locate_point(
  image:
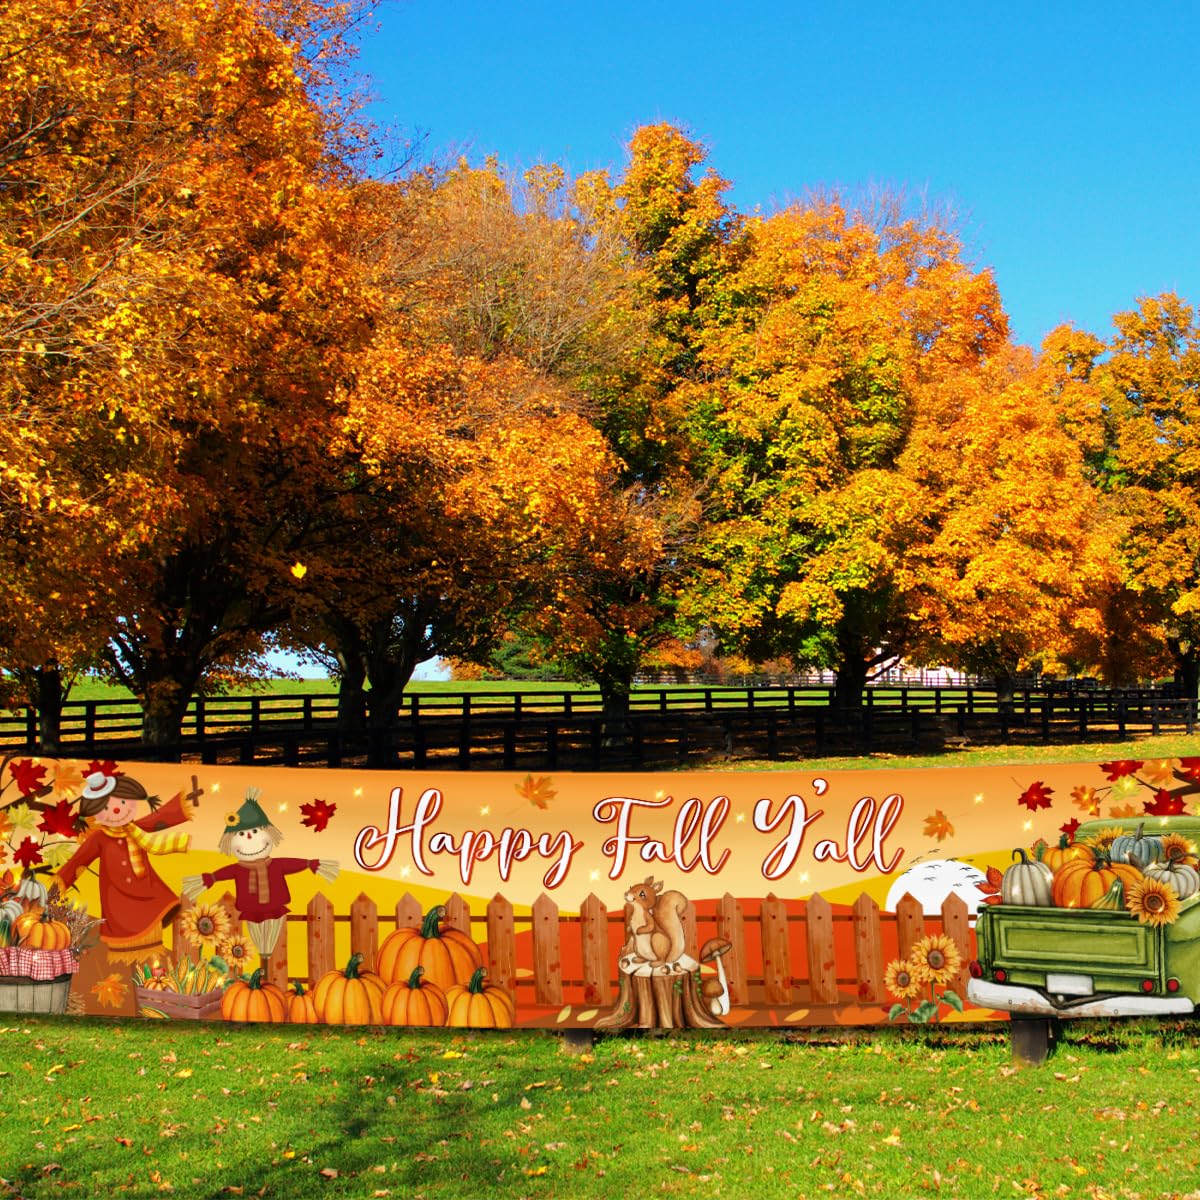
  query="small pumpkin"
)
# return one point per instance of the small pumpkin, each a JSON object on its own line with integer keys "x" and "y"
{"x": 1136, "y": 847}
{"x": 1080, "y": 883}
{"x": 1066, "y": 851}
{"x": 1113, "y": 899}
{"x": 31, "y": 888}
{"x": 1027, "y": 882}
{"x": 415, "y": 1002}
{"x": 301, "y": 1007}
{"x": 11, "y": 908}
{"x": 351, "y": 996}
{"x": 477, "y": 1006}
{"x": 1183, "y": 880}
{"x": 36, "y": 931}
{"x": 447, "y": 955}
{"x": 253, "y": 1000}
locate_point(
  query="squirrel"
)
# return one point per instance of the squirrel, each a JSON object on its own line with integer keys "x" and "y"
{"x": 655, "y": 922}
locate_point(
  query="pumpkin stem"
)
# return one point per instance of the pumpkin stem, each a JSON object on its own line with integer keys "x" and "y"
{"x": 1024, "y": 856}
{"x": 351, "y": 971}
{"x": 298, "y": 987}
{"x": 414, "y": 980}
{"x": 476, "y": 984}
{"x": 255, "y": 981}
{"x": 431, "y": 925}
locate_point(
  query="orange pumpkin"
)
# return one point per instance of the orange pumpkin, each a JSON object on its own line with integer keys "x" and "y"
{"x": 36, "y": 931}
{"x": 350, "y": 997}
{"x": 1066, "y": 851}
{"x": 447, "y": 956}
{"x": 252, "y": 1000}
{"x": 478, "y": 1007}
{"x": 301, "y": 1007}
{"x": 1080, "y": 883}
{"x": 415, "y": 1002}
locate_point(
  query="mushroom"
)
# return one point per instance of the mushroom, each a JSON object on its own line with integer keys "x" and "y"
{"x": 716, "y": 991}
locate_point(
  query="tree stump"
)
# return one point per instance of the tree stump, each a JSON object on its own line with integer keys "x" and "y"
{"x": 658, "y": 996}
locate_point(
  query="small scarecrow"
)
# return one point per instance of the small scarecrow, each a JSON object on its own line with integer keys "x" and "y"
{"x": 261, "y": 892}
{"x": 135, "y": 904}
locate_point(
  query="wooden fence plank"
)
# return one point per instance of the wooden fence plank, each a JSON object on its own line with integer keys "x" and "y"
{"x": 956, "y": 924}
{"x": 322, "y": 951}
{"x": 181, "y": 947}
{"x": 690, "y": 944}
{"x": 277, "y": 964}
{"x": 501, "y": 945}
{"x": 547, "y": 954}
{"x": 822, "y": 962}
{"x": 408, "y": 912}
{"x": 777, "y": 971}
{"x": 458, "y": 915}
{"x": 364, "y": 930}
{"x": 731, "y": 926}
{"x": 593, "y": 933}
{"x": 910, "y": 923}
{"x": 868, "y": 950}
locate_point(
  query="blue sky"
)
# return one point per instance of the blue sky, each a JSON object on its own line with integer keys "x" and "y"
{"x": 1063, "y": 136}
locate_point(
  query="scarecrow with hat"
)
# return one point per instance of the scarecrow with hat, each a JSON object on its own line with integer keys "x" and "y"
{"x": 260, "y": 881}
{"x": 135, "y": 904}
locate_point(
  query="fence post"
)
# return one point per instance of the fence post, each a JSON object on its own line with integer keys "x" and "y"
{"x": 510, "y": 747}
{"x": 910, "y": 923}
{"x": 364, "y": 930}
{"x": 772, "y": 735}
{"x": 777, "y": 972}
{"x": 956, "y": 926}
{"x": 593, "y": 935}
{"x": 277, "y": 964}
{"x": 322, "y": 953}
{"x": 198, "y": 716}
{"x": 822, "y": 962}
{"x": 547, "y": 952}
{"x": 1046, "y": 719}
{"x": 731, "y": 926}
{"x": 551, "y": 745}
{"x": 31, "y": 729}
{"x": 408, "y": 912}
{"x": 89, "y": 723}
{"x": 502, "y": 945}
{"x": 868, "y": 949}
{"x": 180, "y": 947}
{"x": 458, "y": 915}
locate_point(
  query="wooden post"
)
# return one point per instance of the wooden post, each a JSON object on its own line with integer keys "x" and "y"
{"x": 822, "y": 962}
{"x": 547, "y": 953}
{"x": 364, "y": 930}
{"x": 502, "y": 945}
{"x": 731, "y": 926}
{"x": 458, "y": 915}
{"x": 688, "y": 920}
{"x": 408, "y": 912}
{"x": 277, "y": 964}
{"x": 910, "y": 923}
{"x": 322, "y": 952}
{"x": 956, "y": 925}
{"x": 868, "y": 949}
{"x": 777, "y": 971}
{"x": 593, "y": 935}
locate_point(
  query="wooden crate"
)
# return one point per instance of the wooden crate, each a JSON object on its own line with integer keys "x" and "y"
{"x": 204, "y": 1006}
{"x": 20, "y": 994}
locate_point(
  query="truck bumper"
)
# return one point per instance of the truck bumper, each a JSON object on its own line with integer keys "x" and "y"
{"x": 1027, "y": 1002}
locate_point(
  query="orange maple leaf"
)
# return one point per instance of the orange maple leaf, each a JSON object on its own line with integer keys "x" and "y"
{"x": 1125, "y": 810}
{"x": 537, "y": 791}
{"x": 68, "y": 779}
{"x": 110, "y": 991}
{"x": 1158, "y": 771}
{"x": 938, "y": 826}
{"x": 1085, "y": 798}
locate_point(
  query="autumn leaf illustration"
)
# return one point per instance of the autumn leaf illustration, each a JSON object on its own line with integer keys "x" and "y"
{"x": 28, "y": 777}
{"x": 59, "y": 820}
{"x": 21, "y": 816}
{"x": 68, "y": 779}
{"x": 1070, "y": 827}
{"x": 1191, "y": 768}
{"x": 110, "y": 991}
{"x": 1124, "y": 810}
{"x": 938, "y": 826}
{"x": 317, "y": 814}
{"x": 537, "y": 791}
{"x": 1085, "y": 799}
{"x": 1036, "y": 795}
{"x": 1158, "y": 771}
{"x": 28, "y": 853}
{"x": 990, "y": 887}
{"x": 1119, "y": 768}
{"x": 1165, "y": 804}
{"x": 102, "y": 766}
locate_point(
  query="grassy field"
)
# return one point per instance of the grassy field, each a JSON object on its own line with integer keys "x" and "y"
{"x": 143, "y": 1109}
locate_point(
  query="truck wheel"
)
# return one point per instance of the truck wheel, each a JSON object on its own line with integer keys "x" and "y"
{"x": 1033, "y": 1039}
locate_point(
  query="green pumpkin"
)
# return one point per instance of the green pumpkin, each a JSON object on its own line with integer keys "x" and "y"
{"x": 1027, "y": 882}
{"x": 1114, "y": 898}
{"x": 1137, "y": 848}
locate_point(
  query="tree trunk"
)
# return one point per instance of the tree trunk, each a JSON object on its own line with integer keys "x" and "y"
{"x": 1187, "y": 670}
{"x": 51, "y": 694}
{"x": 614, "y": 705}
{"x": 352, "y": 694}
{"x": 850, "y": 681}
{"x": 162, "y": 718}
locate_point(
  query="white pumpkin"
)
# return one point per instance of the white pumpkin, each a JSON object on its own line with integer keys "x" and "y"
{"x": 1182, "y": 879}
{"x": 1027, "y": 882}
{"x": 32, "y": 889}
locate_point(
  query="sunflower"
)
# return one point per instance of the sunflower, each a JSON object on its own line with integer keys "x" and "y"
{"x": 1101, "y": 841}
{"x": 236, "y": 950}
{"x": 935, "y": 959}
{"x": 1152, "y": 902}
{"x": 206, "y": 925}
{"x": 900, "y": 980}
{"x": 1181, "y": 849}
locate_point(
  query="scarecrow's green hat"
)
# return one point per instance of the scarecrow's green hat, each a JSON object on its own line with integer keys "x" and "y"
{"x": 249, "y": 816}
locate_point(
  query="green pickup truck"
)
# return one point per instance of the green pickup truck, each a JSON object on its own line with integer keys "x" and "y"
{"x": 1042, "y": 962}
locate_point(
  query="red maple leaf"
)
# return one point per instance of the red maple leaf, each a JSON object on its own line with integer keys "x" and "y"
{"x": 317, "y": 814}
{"x": 59, "y": 820}
{"x": 991, "y": 885}
{"x": 27, "y": 853}
{"x": 27, "y": 777}
{"x": 1070, "y": 827}
{"x": 1191, "y": 768}
{"x": 1035, "y": 796}
{"x": 991, "y": 899}
{"x": 1164, "y": 804}
{"x": 1120, "y": 767}
{"x": 102, "y": 767}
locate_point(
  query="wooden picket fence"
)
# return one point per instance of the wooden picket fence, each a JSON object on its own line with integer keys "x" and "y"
{"x": 784, "y": 952}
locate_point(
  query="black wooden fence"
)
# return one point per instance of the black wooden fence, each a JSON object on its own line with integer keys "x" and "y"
{"x": 517, "y": 730}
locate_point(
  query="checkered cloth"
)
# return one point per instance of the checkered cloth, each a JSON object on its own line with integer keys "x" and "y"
{"x": 37, "y": 964}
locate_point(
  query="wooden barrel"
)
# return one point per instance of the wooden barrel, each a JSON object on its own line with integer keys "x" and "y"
{"x": 20, "y": 994}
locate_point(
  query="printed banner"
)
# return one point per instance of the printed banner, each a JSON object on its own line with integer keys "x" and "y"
{"x": 599, "y": 901}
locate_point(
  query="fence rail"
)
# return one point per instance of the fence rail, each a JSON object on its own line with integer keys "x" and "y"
{"x": 785, "y": 953}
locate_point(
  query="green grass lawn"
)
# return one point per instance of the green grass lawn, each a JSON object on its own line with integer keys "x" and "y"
{"x": 142, "y": 1108}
